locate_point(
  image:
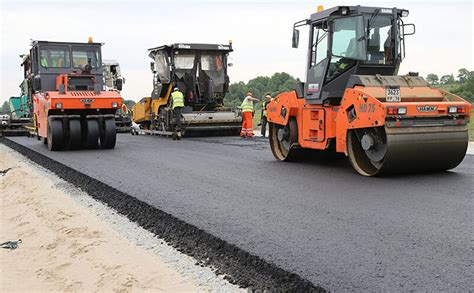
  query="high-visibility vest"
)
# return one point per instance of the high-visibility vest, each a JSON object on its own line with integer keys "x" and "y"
{"x": 265, "y": 104}
{"x": 247, "y": 105}
{"x": 178, "y": 99}
{"x": 44, "y": 62}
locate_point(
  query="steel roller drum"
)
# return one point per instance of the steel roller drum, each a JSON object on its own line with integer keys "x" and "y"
{"x": 412, "y": 149}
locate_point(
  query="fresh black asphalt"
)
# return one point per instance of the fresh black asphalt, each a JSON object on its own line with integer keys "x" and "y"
{"x": 315, "y": 218}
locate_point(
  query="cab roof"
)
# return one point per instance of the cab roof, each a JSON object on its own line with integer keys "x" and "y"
{"x": 353, "y": 10}
{"x": 38, "y": 42}
{"x": 193, "y": 46}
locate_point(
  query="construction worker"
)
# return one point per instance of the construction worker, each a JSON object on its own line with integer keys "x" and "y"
{"x": 177, "y": 99}
{"x": 247, "y": 115}
{"x": 268, "y": 99}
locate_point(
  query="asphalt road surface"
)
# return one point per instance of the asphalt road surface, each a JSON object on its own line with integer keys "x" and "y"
{"x": 318, "y": 219}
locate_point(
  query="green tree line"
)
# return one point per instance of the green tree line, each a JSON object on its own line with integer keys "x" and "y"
{"x": 462, "y": 84}
{"x": 259, "y": 86}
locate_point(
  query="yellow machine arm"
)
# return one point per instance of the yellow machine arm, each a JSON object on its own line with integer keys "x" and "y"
{"x": 143, "y": 109}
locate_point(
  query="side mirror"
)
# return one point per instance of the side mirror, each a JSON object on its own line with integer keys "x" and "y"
{"x": 119, "y": 83}
{"x": 296, "y": 38}
{"x": 36, "y": 83}
{"x": 152, "y": 66}
{"x": 411, "y": 29}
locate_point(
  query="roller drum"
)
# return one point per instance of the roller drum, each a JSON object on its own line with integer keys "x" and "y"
{"x": 409, "y": 150}
{"x": 424, "y": 149}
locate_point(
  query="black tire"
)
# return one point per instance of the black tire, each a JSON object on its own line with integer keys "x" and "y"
{"x": 108, "y": 134}
{"x": 365, "y": 162}
{"x": 91, "y": 134}
{"x": 55, "y": 138}
{"x": 74, "y": 139}
{"x": 284, "y": 149}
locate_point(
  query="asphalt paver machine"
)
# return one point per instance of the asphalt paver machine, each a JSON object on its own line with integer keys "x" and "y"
{"x": 200, "y": 73}
{"x": 18, "y": 121}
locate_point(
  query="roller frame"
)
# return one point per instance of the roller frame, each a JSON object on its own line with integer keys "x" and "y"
{"x": 416, "y": 142}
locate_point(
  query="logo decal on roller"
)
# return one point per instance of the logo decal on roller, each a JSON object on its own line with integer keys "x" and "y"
{"x": 87, "y": 101}
{"x": 425, "y": 109}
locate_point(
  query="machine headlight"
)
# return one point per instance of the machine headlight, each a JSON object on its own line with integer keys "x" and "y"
{"x": 396, "y": 110}
{"x": 344, "y": 10}
{"x": 452, "y": 110}
{"x": 404, "y": 13}
{"x": 114, "y": 105}
{"x": 58, "y": 105}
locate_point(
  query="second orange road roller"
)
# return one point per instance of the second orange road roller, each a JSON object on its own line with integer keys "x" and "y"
{"x": 71, "y": 108}
{"x": 353, "y": 101}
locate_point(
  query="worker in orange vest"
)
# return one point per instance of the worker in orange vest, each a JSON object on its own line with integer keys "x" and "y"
{"x": 247, "y": 115}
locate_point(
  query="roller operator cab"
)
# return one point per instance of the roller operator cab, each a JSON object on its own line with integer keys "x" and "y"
{"x": 200, "y": 73}
{"x": 71, "y": 108}
{"x": 353, "y": 102}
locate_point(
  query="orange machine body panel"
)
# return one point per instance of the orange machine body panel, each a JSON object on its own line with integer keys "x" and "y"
{"x": 317, "y": 124}
{"x": 46, "y": 102}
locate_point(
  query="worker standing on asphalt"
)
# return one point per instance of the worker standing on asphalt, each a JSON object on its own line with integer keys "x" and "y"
{"x": 268, "y": 99}
{"x": 247, "y": 115}
{"x": 177, "y": 99}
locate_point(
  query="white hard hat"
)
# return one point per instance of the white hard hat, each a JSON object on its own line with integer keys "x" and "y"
{"x": 176, "y": 89}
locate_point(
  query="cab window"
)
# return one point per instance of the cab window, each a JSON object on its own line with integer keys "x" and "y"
{"x": 162, "y": 66}
{"x": 348, "y": 45}
{"x": 212, "y": 62}
{"x": 184, "y": 61}
{"x": 380, "y": 40}
{"x": 320, "y": 46}
{"x": 348, "y": 38}
{"x": 81, "y": 57}
{"x": 54, "y": 57}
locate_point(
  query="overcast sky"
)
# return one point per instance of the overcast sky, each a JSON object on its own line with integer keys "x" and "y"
{"x": 260, "y": 31}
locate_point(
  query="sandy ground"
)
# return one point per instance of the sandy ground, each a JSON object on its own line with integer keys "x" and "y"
{"x": 66, "y": 247}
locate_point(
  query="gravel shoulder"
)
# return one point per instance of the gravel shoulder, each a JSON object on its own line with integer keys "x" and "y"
{"x": 70, "y": 242}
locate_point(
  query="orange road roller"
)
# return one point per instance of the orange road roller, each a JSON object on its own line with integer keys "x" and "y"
{"x": 353, "y": 101}
{"x": 71, "y": 108}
